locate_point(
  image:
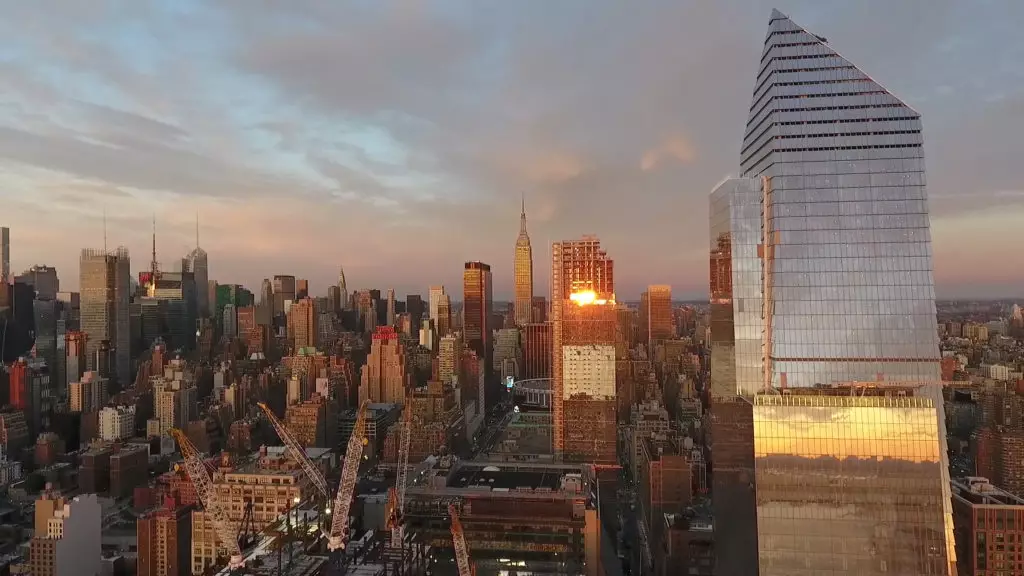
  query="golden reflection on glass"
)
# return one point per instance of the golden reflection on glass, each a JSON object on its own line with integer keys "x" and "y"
{"x": 849, "y": 485}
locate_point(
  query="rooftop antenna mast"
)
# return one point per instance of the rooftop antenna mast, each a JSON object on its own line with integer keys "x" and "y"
{"x": 104, "y": 230}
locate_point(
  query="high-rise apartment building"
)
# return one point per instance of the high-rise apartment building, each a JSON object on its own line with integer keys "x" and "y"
{"x": 523, "y": 271}
{"x": 385, "y": 377}
{"x": 5, "y": 255}
{"x": 117, "y": 423}
{"x": 303, "y": 324}
{"x": 164, "y": 538}
{"x": 67, "y": 536}
{"x": 989, "y": 524}
{"x": 449, "y": 355}
{"x": 821, "y": 276}
{"x": 104, "y": 284}
{"x": 89, "y": 394}
{"x": 656, "y": 315}
{"x": 477, "y": 305}
{"x": 583, "y": 351}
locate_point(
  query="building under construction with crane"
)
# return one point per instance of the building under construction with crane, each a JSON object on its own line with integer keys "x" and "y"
{"x": 535, "y": 518}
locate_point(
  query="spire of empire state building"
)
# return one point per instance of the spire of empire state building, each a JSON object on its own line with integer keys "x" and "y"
{"x": 523, "y": 269}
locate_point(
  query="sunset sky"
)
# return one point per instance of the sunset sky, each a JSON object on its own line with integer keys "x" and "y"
{"x": 397, "y": 137}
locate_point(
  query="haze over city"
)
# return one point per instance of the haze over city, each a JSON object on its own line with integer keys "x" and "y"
{"x": 398, "y": 138}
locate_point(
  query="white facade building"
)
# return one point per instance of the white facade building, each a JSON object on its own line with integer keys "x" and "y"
{"x": 117, "y": 423}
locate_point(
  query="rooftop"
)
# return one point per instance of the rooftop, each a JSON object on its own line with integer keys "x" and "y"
{"x": 978, "y": 491}
{"x": 494, "y": 477}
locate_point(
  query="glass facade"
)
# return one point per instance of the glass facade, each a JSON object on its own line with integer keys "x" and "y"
{"x": 849, "y": 485}
{"x": 821, "y": 275}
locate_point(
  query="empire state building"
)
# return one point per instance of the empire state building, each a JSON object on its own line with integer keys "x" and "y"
{"x": 523, "y": 274}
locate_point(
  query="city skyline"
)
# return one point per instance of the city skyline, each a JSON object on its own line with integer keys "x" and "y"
{"x": 294, "y": 172}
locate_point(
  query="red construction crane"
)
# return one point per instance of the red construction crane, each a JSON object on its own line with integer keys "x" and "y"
{"x": 459, "y": 542}
{"x": 200, "y": 475}
{"x": 349, "y": 471}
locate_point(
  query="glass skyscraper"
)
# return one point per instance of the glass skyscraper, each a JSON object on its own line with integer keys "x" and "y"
{"x": 821, "y": 276}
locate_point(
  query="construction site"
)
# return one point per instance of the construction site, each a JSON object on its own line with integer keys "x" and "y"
{"x": 310, "y": 532}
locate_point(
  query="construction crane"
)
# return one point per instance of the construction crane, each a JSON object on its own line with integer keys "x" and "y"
{"x": 349, "y": 471}
{"x": 396, "y": 518}
{"x": 297, "y": 452}
{"x": 459, "y": 542}
{"x": 200, "y": 476}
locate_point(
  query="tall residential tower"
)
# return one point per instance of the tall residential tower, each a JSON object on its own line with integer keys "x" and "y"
{"x": 523, "y": 269}
{"x": 825, "y": 398}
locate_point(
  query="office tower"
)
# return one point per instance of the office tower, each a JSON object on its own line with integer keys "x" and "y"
{"x": 334, "y": 296}
{"x": 540, "y": 310}
{"x": 443, "y": 320}
{"x": 391, "y": 307}
{"x": 523, "y": 270}
{"x": 821, "y": 275}
{"x": 477, "y": 306}
{"x": 179, "y": 291}
{"x": 583, "y": 355}
{"x": 199, "y": 264}
{"x": 434, "y": 298}
{"x": 67, "y": 536}
{"x": 303, "y": 324}
{"x": 414, "y": 306}
{"x": 301, "y": 288}
{"x": 164, "y": 538}
{"x": 427, "y": 334}
{"x": 267, "y": 295}
{"x": 508, "y": 354}
{"x": 344, "y": 289}
{"x": 537, "y": 348}
{"x": 105, "y": 284}
{"x": 230, "y": 321}
{"x": 43, "y": 279}
{"x": 284, "y": 290}
{"x": 76, "y": 357}
{"x": 656, "y": 315}
{"x": 385, "y": 377}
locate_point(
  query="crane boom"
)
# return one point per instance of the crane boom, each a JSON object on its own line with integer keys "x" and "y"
{"x": 200, "y": 476}
{"x": 349, "y": 471}
{"x": 401, "y": 477}
{"x": 297, "y": 452}
{"x": 459, "y": 542}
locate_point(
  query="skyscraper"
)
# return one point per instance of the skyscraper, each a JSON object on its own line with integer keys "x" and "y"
{"x": 434, "y": 298}
{"x": 656, "y": 315}
{"x": 5, "y": 255}
{"x": 385, "y": 377}
{"x": 477, "y": 305}
{"x": 104, "y": 283}
{"x": 303, "y": 324}
{"x": 583, "y": 351}
{"x": 391, "y": 306}
{"x": 821, "y": 281}
{"x": 343, "y": 287}
{"x": 523, "y": 274}
{"x": 44, "y": 279}
{"x": 198, "y": 263}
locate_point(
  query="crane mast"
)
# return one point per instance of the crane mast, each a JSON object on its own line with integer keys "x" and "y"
{"x": 200, "y": 476}
{"x": 297, "y": 452}
{"x": 349, "y": 471}
{"x": 459, "y": 542}
{"x": 397, "y": 533}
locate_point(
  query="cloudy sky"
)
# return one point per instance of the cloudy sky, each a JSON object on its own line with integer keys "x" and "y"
{"x": 397, "y": 137}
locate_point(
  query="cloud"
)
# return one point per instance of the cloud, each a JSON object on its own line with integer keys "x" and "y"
{"x": 397, "y": 137}
{"x": 674, "y": 148}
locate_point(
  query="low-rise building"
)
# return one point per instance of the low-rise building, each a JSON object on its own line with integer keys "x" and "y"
{"x": 988, "y": 525}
